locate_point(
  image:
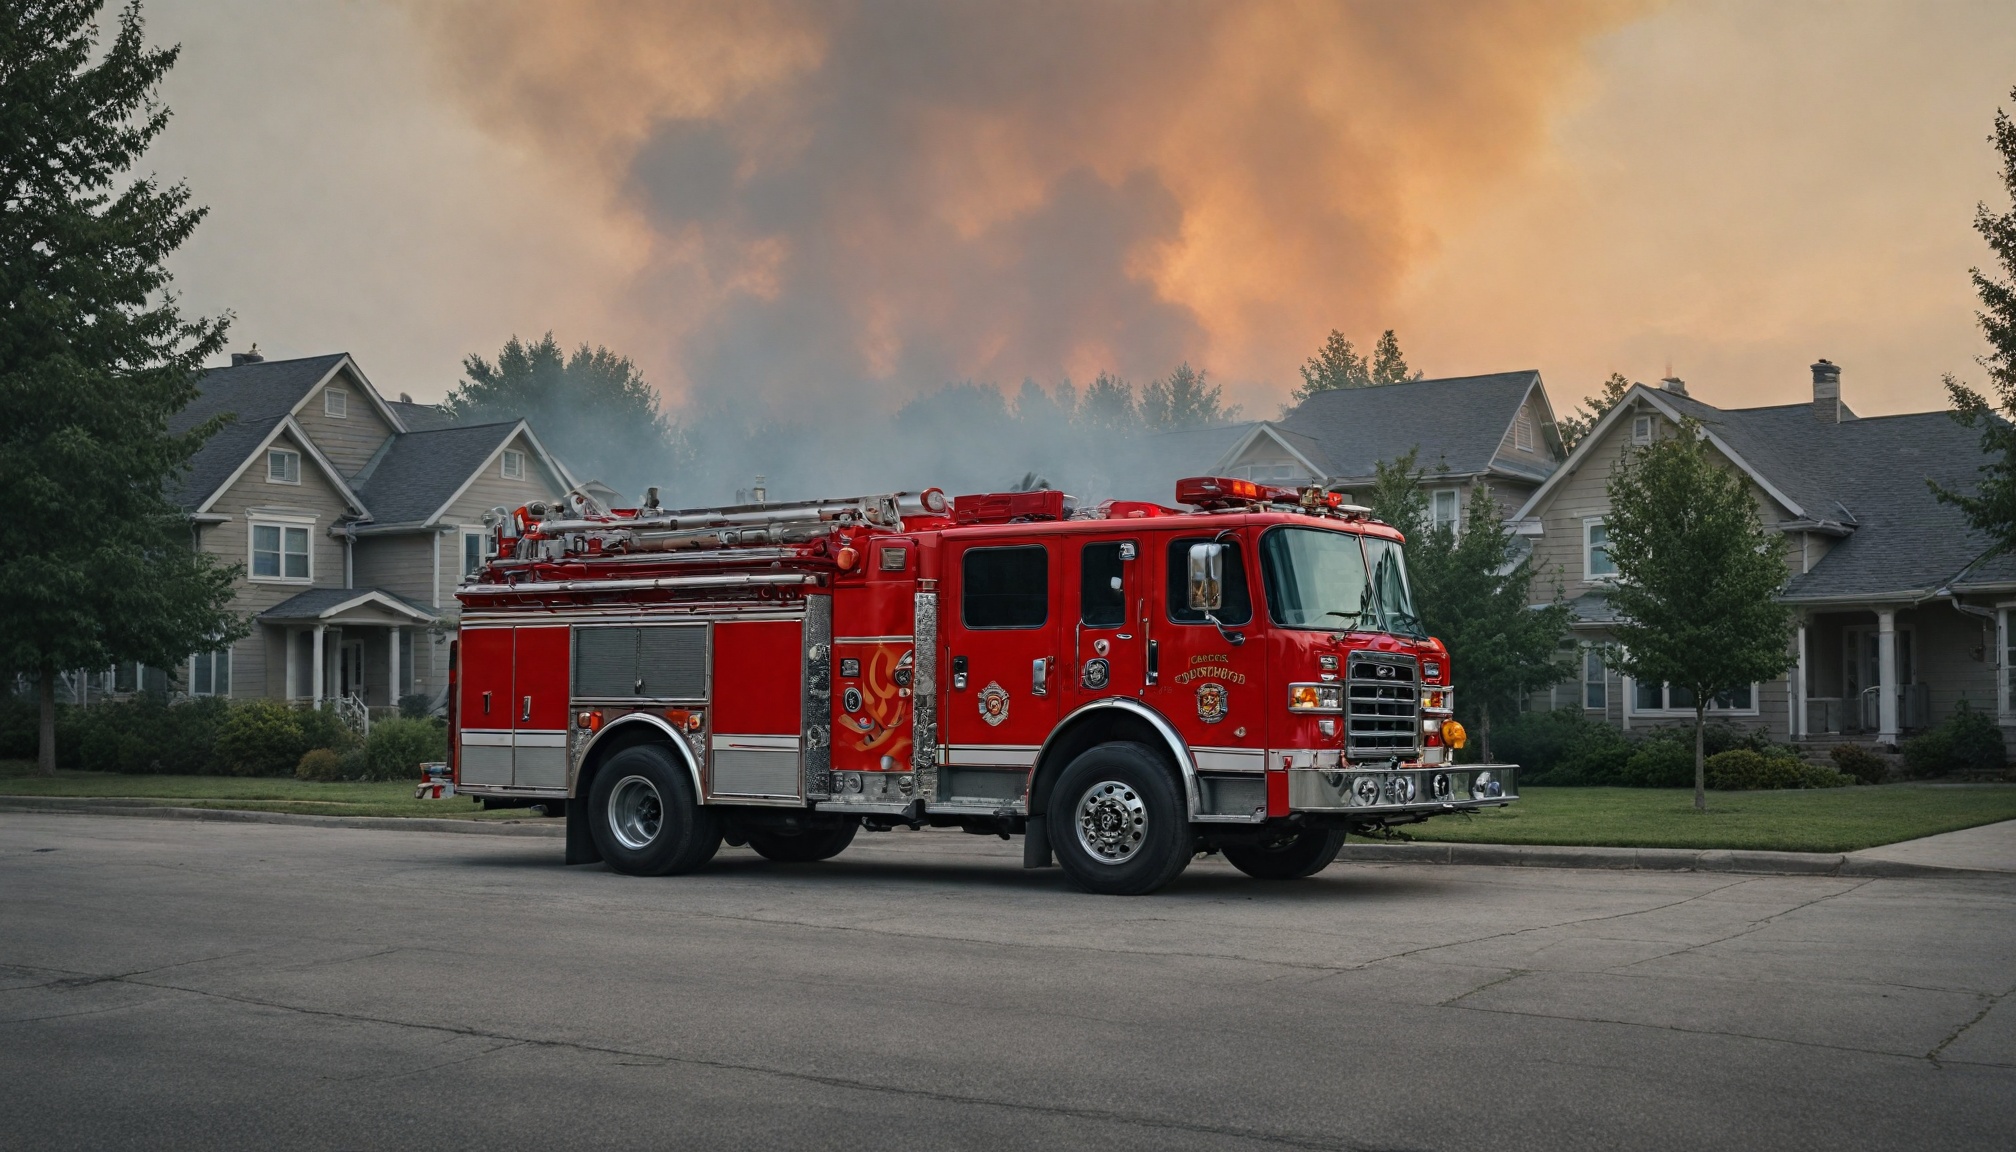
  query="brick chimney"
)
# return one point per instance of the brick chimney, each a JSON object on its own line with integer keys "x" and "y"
{"x": 1827, "y": 391}
{"x": 1674, "y": 384}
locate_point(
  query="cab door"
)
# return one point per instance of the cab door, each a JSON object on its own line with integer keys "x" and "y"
{"x": 1105, "y": 604}
{"x": 1003, "y": 668}
{"x": 1206, "y": 684}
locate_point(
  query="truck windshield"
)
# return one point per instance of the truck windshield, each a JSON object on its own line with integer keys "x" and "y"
{"x": 1337, "y": 580}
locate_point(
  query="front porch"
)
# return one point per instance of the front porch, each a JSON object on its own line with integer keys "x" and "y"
{"x": 1880, "y": 672}
{"x": 350, "y": 645}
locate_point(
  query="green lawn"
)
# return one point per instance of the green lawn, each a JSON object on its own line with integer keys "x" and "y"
{"x": 259, "y": 794}
{"x": 1812, "y": 820}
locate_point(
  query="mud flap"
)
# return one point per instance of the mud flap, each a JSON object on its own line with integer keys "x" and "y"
{"x": 580, "y": 842}
{"x": 1036, "y": 843}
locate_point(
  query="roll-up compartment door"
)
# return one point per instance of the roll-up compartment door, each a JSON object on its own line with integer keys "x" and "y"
{"x": 656, "y": 662}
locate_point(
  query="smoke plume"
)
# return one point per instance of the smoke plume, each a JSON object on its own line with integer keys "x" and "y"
{"x": 839, "y": 205}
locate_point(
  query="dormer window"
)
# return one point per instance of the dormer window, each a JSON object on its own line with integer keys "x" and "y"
{"x": 513, "y": 467}
{"x": 1522, "y": 431}
{"x": 1641, "y": 430}
{"x": 336, "y": 403}
{"x": 283, "y": 466}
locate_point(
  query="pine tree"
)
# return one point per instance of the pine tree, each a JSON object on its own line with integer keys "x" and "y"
{"x": 1594, "y": 408}
{"x": 1992, "y": 509}
{"x": 1336, "y": 365}
{"x": 1185, "y": 400}
{"x": 1388, "y": 366}
{"x": 1108, "y": 405}
{"x": 590, "y": 407}
{"x": 1697, "y": 578}
{"x": 96, "y": 559}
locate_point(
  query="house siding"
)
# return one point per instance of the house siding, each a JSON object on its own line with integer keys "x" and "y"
{"x": 350, "y": 442}
{"x": 490, "y": 490}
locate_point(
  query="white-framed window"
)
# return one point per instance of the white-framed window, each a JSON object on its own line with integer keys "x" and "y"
{"x": 1522, "y": 431}
{"x": 210, "y": 673}
{"x": 336, "y": 403}
{"x": 1641, "y": 429}
{"x": 1595, "y": 680}
{"x": 513, "y": 466}
{"x": 280, "y": 553}
{"x": 1657, "y": 699}
{"x": 1444, "y": 508}
{"x": 475, "y": 549}
{"x": 1596, "y": 562}
{"x": 283, "y": 466}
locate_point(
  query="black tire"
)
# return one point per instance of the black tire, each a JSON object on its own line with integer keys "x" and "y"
{"x": 645, "y": 817}
{"x": 804, "y": 845}
{"x": 1290, "y": 856}
{"x": 1117, "y": 821}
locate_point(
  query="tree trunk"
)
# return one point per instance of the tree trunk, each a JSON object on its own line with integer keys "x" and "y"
{"x": 1700, "y": 760}
{"x": 45, "y": 691}
{"x": 1484, "y": 735}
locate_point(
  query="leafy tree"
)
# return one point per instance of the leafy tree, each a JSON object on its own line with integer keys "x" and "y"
{"x": 1475, "y": 597}
{"x": 1186, "y": 400}
{"x": 1697, "y": 578}
{"x": 1388, "y": 365}
{"x": 95, "y": 359}
{"x": 589, "y": 407}
{"x": 1993, "y": 509}
{"x": 1108, "y": 405}
{"x": 1336, "y": 365}
{"x": 1594, "y": 408}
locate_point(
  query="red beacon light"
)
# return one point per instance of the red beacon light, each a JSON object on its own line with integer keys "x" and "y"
{"x": 1210, "y": 492}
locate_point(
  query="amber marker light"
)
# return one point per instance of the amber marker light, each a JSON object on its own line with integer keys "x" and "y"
{"x": 590, "y": 719}
{"x": 845, "y": 558}
{"x": 1453, "y": 734}
{"x": 683, "y": 720}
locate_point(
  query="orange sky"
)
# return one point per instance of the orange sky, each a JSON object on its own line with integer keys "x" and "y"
{"x": 774, "y": 202}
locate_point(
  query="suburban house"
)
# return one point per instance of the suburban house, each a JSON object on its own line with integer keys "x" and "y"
{"x": 1902, "y": 612}
{"x": 354, "y": 518}
{"x": 1497, "y": 430}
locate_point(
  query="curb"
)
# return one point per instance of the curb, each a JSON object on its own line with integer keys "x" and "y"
{"x": 1742, "y": 862}
{"x": 1650, "y": 860}
{"x": 85, "y": 806}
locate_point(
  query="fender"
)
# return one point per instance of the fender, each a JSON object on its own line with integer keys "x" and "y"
{"x": 631, "y": 721}
{"x": 1171, "y": 739}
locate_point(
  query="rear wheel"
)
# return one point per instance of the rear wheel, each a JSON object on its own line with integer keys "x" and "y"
{"x": 645, "y": 817}
{"x": 1289, "y": 856}
{"x": 1117, "y": 821}
{"x": 803, "y": 845}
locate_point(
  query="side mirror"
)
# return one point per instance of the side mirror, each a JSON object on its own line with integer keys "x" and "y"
{"x": 1207, "y": 576}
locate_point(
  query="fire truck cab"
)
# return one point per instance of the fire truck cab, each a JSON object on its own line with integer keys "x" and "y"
{"x": 1123, "y": 687}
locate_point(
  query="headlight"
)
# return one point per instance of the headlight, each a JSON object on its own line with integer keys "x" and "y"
{"x": 1367, "y": 789}
{"x": 1483, "y": 787}
{"x": 1453, "y": 734}
{"x": 1315, "y": 698}
{"x": 1400, "y": 789}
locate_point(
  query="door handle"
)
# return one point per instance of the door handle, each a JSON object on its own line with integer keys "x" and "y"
{"x": 1154, "y": 661}
{"x": 486, "y": 703}
{"x": 528, "y": 711}
{"x": 1039, "y": 676}
{"x": 959, "y": 673}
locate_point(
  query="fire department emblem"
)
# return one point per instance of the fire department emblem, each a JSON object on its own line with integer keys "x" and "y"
{"x": 993, "y": 704}
{"x": 1097, "y": 672}
{"x": 1212, "y": 702}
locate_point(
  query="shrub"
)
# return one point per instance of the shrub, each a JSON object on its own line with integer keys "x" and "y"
{"x": 321, "y": 764}
{"x": 397, "y": 747}
{"x": 416, "y": 706}
{"x": 1859, "y": 762}
{"x": 1745, "y": 769}
{"x": 20, "y": 726}
{"x": 260, "y": 738}
{"x": 143, "y": 734}
{"x": 1562, "y": 747}
{"x": 322, "y": 728}
{"x": 1661, "y": 764}
{"x": 1976, "y": 741}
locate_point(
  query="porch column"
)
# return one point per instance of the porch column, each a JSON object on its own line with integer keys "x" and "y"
{"x": 1799, "y": 729}
{"x": 315, "y": 676}
{"x": 1886, "y": 676}
{"x": 392, "y": 691}
{"x": 290, "y": 686}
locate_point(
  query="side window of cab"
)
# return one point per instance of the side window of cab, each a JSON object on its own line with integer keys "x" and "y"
{"x": 1237, "y": 607}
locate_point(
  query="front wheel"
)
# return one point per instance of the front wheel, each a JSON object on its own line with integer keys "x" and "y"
{"x": 804, "y": 845}
{"x": 1290, "y": 856}
{"x": 645, "y": 817}
{"x": 1117, "y": 821}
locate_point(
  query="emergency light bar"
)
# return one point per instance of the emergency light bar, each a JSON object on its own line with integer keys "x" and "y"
{"x": 1212, "y": 493}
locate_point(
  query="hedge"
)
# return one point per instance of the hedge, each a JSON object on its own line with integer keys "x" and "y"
{"x": 207, "y": 736}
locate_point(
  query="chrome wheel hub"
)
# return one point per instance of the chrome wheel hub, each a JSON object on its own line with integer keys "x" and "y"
{"x": 636, "y": 812}
{"x": 1112, "y": 822}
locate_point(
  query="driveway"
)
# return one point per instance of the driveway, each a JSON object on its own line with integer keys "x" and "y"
{"x": 201, "y": 985}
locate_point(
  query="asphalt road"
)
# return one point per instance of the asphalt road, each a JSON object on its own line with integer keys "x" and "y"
{"x": 169, "y": 985}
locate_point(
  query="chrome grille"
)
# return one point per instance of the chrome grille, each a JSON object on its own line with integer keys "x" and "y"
{"x": 1382, "y": 706}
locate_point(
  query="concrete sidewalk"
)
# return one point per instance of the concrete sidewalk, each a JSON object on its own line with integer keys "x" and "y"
{"x": 1986, "y": 850}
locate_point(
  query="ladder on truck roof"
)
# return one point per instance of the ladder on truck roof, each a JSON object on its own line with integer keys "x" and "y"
{"x": 652, "y": 529}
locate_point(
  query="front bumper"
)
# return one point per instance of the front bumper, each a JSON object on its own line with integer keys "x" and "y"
{"x": 1402, "y": 791}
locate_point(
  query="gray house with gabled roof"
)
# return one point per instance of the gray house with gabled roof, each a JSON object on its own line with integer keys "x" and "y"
{"x": 1903, "y": 610}
{"x": 353, "y": 517}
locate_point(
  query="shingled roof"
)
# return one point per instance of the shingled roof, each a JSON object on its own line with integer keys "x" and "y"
{"x": 257, "y": 396}
{"x": 413, "y": 476}
{"x": 1458, "y": 423}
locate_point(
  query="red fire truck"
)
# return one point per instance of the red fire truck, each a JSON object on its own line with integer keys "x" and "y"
{"x": 1122, "y": 686}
